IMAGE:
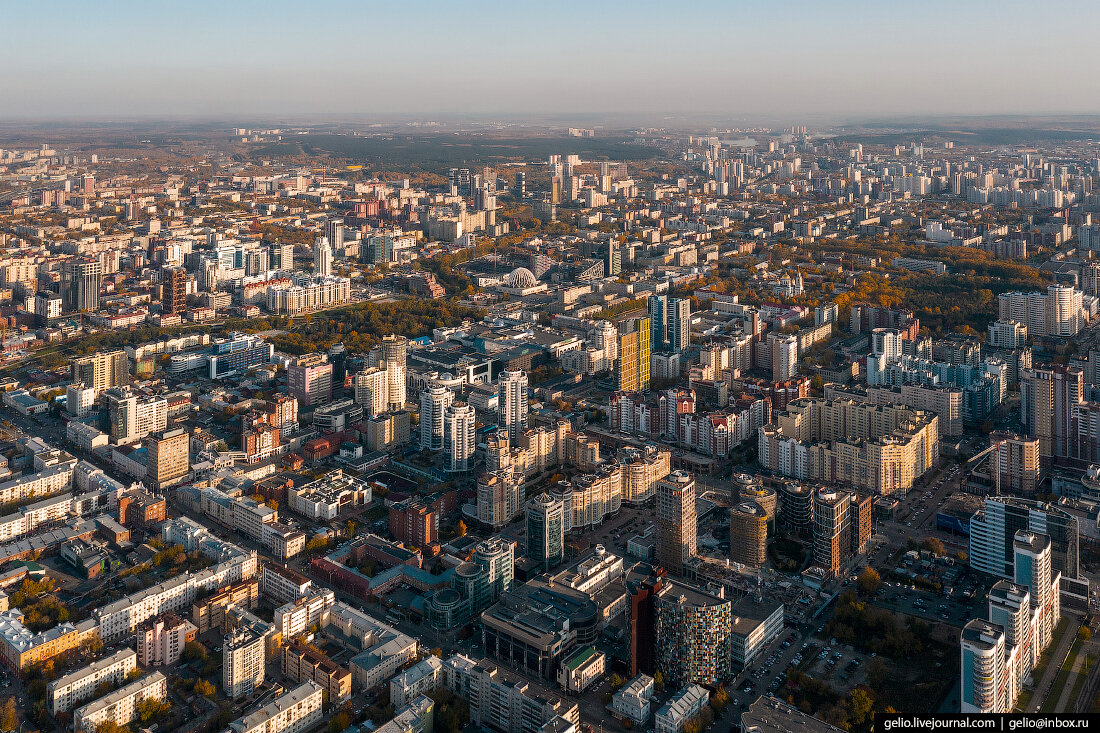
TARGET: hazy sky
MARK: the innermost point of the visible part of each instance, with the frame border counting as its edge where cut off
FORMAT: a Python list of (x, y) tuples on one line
[(745, 59)]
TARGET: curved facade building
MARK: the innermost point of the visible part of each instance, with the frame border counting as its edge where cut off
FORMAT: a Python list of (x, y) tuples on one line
[(748, 534), (796, 507), (545, 531)]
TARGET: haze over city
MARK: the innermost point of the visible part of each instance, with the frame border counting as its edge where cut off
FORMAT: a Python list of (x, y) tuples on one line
[(843, 61)]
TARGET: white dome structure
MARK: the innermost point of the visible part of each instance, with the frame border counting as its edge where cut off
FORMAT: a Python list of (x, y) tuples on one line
[(521, 279)]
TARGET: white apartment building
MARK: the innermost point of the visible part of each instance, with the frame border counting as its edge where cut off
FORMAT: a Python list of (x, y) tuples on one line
[(296, 711), (66, 692), (243, 662), (298, 616), (120, 706), (283, 585)]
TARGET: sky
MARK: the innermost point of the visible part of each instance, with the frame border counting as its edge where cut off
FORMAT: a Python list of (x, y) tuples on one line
[(843, 60)]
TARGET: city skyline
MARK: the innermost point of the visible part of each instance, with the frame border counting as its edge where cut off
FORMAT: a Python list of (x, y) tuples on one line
[(742, 61)]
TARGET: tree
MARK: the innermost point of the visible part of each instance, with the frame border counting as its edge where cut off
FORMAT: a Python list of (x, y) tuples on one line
[(272, 504), (8, 718), (869, 581), (110, 726), (658, 682), (193, 650), (204, 688), (616, 681), (152, 709), (860, 705), (460, 528), (339, 722), (1085, 633), (133, 674), (933, 545)]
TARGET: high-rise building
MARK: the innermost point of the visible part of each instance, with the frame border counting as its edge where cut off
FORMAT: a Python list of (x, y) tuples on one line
[(497, 558), (434, 402), (131, 417), (658, 321), (243, 662), (994, 527), (309, 379), (613, 261), (160, 641), (512, 404), (322, 257), (169, 456), (173, 296), (1047, 400), (693, 636), (102, 370), (338, 357), (784, 353), (632, 368), (748, 534), (499, 496), (1014, 463), (1032, 569), (334, 232), (545, 531), (394, 359), (676, 521), (679, 324), (984, 679), (80, 283), (459, 437)]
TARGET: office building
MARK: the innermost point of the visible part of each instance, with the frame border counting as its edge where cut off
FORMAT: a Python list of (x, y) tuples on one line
[(294, 712), (121, 706), (842, 526), (676, 521), (80, 284), (309, 379), (160, 641), (768, 714), (327, 496), (236, 354), (102, 370), (993, 528), (692, 636), (459, 437), (512, 404), (748, 534), (679, 324), (173, 299), (243, 662), (545, 531), (657, 306)]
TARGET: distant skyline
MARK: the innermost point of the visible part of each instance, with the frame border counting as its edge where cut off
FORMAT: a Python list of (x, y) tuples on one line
[(809, 62)]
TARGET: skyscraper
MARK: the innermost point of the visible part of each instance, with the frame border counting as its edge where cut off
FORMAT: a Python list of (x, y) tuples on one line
[(512, 403), (632, 369), (173, 297), (994, 527), (613, 261), (458, 437), (434, 401), (80, 282), (676, 520), (322, 257), (693, 636), (394, 358), (334, 232), (658, 321), (310, 379), (1047, 400), (679, 324), (545, 531), (748, 533)]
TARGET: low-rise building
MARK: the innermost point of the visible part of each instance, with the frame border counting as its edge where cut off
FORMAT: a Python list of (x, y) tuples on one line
[(68, 691), (424, 676), (632, 700), (121, 706), (302, 662), (296, 711), (580, 669), (684, 706)]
